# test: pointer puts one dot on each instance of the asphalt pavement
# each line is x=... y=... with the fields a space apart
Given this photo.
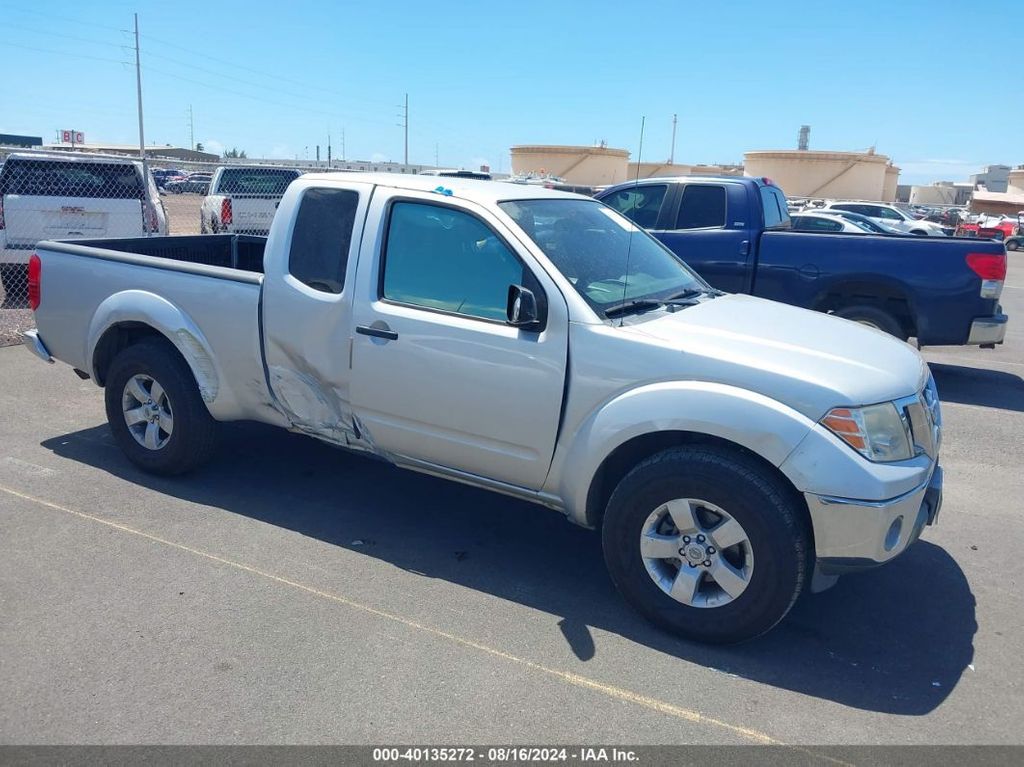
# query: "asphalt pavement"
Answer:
x=291 y=593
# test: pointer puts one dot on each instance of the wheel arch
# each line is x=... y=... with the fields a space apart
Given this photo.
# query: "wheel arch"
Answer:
x=128 y=317
x=889 y=295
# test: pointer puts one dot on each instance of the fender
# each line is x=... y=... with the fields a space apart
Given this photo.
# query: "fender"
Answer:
x=160 y=314
x=760 y=424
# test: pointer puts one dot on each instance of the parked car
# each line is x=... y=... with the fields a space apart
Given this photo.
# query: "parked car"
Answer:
x=198 y=183
x=162 y=175
x=890 y=215
x=732 y=451
x=46 y=196
x=820 y=222
x=870 y=224
x=244 y=199
x=736 y=233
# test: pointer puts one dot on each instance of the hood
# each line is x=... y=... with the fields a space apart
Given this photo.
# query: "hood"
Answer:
x=807 y=360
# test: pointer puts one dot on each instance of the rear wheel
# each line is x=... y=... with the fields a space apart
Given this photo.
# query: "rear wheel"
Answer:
x=873 y=317
x=1012 y=245
x=706 y=543
x=155 y=410
x=14 y=278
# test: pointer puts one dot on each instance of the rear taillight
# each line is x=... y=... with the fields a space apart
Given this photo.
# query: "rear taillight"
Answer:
x=991 y=267
x=35 y=276
x=225 y=211
x=988 y=266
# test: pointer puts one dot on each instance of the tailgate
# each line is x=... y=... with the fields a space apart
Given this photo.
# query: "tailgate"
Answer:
x=253 y=213
x=31 y=218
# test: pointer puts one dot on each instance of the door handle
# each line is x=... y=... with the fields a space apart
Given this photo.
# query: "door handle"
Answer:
x=368 y=330
x=745 y=248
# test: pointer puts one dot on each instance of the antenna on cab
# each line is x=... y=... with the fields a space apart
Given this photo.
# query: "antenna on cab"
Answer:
x=632 y=228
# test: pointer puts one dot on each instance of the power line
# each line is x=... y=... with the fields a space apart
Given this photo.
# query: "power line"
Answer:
x=65 y=53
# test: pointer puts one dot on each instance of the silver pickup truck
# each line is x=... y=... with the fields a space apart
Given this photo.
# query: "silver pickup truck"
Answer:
x=732 y=451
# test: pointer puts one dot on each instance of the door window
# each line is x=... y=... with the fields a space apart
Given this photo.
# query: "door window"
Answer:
x=641 y=203
x=812 y=224
x=445 y=259
x=321 y=239
x=702 y=207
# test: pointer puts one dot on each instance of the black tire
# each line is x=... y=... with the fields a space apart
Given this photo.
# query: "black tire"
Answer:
x=1012 y=245
x=193 y=437
x=758 y=500
x=874 y=317
x=202 y=225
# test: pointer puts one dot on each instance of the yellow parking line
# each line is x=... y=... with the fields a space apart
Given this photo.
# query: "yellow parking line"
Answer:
x=576 y=680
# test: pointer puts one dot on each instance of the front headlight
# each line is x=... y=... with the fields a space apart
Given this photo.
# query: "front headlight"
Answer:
x=877 y=432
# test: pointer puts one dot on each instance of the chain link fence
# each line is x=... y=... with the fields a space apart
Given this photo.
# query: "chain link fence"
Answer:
x=59 y=196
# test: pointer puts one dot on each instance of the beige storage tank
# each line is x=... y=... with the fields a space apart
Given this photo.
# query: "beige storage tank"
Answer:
x=846 y=175
x=1015 y=183
x=939 y=193
x=589 y=165
x=658 y=169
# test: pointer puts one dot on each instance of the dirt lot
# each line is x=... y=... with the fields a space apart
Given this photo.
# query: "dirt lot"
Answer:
x=291 y=593
x=183 y=212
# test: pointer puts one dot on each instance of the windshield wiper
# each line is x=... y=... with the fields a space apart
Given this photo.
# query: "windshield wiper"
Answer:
x=637 y=304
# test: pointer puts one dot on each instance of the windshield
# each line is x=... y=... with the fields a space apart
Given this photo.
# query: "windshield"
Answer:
x=588 y=243
x=269 y=182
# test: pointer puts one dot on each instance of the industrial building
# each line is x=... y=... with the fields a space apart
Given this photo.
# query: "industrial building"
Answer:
x=993 y=178
x=1010 y=202
x=941 y=193
x=845 y=175
x=165 y=152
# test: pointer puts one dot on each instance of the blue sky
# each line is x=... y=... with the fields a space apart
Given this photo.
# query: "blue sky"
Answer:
x=928 y=83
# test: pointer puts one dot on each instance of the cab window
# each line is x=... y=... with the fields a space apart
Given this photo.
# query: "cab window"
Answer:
x=441 y=258
x=640 y=203
x=702 y=207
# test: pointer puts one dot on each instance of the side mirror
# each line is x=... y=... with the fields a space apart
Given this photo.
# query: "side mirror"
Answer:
x=522 y=307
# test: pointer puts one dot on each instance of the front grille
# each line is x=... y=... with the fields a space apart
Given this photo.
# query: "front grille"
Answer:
x=923 y=414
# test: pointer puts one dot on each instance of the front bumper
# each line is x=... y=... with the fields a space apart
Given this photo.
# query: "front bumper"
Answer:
x=855 y=534
x=988 y=330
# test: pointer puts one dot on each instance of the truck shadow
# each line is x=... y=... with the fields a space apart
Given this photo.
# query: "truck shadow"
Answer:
x=978 y=386
x=892 y=640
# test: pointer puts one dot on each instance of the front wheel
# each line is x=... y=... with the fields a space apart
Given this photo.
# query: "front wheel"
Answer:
x=155 y=410
x=1012 y=245
x=707 y=543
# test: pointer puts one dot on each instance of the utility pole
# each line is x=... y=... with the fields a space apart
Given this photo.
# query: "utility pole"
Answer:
x=672 y=156
x=142 y=135
x=405 y=124
x=191 y=129
x=328 y=148
x=343 y=145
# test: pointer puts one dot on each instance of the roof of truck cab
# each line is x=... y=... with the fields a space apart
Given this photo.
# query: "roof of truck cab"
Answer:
x=465 y=188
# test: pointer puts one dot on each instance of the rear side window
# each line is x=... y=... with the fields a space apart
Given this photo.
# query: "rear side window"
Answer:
x=776 y=212
x=269 y=182
x=46 y=178
x=641 y=203
x=321 y=239
x=702 y=207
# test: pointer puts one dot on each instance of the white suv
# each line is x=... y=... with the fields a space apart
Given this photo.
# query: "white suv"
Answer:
x=60 y=196
x=891 y=216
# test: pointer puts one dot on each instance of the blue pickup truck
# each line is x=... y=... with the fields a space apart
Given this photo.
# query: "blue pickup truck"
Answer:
x=735 y=232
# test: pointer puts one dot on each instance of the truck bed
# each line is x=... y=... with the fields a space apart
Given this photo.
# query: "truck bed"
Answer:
x=230 y=251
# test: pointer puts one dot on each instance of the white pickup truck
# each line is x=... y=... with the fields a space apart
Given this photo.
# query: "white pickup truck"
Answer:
x=732 y=451
x=243 y=200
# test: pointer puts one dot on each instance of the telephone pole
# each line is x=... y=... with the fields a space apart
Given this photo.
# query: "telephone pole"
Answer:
x=405 y=124
x=191 y=129
x=672 y=155
x=142 y=136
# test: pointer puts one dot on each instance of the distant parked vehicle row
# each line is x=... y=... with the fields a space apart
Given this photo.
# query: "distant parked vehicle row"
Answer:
x=892 y=216
x=243 y=200
x=198 y=183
